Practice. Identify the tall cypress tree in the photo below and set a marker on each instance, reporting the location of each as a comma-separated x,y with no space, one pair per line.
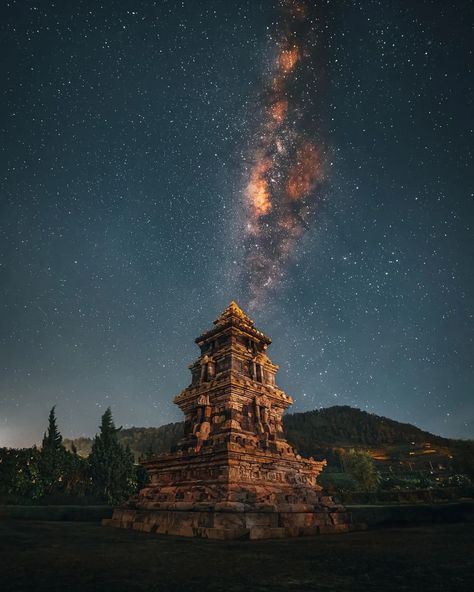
52,438
53,458
111,465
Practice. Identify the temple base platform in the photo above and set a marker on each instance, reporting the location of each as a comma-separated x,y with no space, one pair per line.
226,525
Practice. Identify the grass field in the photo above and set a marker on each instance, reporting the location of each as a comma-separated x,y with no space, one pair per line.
82,557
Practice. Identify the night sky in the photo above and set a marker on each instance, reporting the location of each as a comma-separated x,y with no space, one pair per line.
133,135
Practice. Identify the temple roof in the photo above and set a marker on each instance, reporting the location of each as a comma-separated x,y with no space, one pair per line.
233,310
233,315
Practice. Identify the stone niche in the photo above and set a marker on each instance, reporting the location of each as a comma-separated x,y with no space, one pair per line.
233,475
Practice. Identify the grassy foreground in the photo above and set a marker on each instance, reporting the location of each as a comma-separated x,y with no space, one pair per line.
72,556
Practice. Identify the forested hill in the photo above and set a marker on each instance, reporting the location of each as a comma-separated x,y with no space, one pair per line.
344,426
339,426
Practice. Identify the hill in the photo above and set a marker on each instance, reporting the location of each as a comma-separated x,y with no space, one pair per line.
400,450
344,426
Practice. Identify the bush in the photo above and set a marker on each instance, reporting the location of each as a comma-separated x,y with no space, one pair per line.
361,467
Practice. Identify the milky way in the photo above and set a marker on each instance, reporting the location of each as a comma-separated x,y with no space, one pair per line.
285,170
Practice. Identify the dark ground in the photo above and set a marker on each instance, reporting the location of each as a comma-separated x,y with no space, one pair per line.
72,556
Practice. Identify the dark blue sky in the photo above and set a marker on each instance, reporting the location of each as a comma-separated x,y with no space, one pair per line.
126,127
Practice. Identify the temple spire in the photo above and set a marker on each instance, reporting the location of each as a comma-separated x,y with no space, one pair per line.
233,310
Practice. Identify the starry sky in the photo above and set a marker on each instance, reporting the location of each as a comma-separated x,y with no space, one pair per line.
133,134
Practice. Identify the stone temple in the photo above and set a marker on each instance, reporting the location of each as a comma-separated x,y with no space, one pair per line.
233,475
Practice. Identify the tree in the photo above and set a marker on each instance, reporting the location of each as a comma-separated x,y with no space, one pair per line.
54,458
361,467
111,466
52,438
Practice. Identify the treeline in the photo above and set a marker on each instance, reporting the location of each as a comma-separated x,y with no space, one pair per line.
103,469
54,472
